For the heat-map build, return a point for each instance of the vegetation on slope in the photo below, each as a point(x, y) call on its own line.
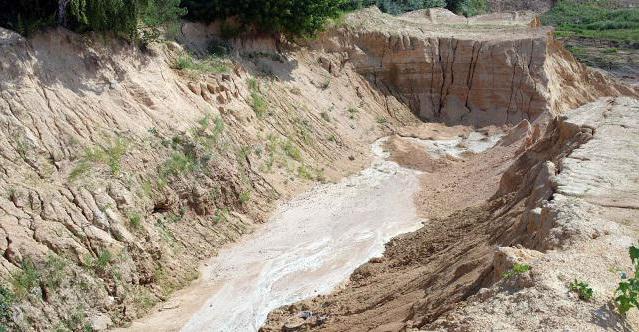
point(142, 19)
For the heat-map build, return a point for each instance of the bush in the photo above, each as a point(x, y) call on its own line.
point(296, 17)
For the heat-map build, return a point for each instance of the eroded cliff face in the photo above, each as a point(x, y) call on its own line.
point(120, 173)
point(489, 70)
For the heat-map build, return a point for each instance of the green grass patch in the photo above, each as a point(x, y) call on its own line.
point(211, 64)
point(596, 19)
point(26, 279)
point(258, 102)
point(110, 155)
point(292, 151)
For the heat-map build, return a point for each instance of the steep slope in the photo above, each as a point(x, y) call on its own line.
point(120, 173)
point(488, 70)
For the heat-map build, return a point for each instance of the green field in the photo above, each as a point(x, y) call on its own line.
point(597, 19)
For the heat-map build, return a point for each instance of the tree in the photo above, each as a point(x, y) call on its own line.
point(296, 17)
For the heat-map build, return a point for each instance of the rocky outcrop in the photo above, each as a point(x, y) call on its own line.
point(489, 70)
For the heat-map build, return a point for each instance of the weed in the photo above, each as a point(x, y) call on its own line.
point(6, 301)
point(77, 321)
point(153, 131)
point(101, 263)
point(581, 288)
point(211, 64)
point(110, 155)
point(135, 221)
point(304, 172)
point(22, 147)
point(381, 120)
point(258, 102)
point(245, 197)
point(178, 164)
point(352, 112)
point(627, 294)
point(221, 215)
point(292, 151)
point(516, 270)
point(25, 280)
point(79, 170)
point(53, 273)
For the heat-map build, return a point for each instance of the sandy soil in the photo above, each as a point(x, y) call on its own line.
point(453, 246)
point(311, 245)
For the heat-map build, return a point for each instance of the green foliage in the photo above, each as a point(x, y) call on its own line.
point(135, 19)
point(627, 294)
point(6, 301)
point(135, 220)
point(469, 7)
point(26, 279)
point(292, 151)
point(211, 64)
point(179, 164)
point(245, 197)
point(101, 263)
point(516, 270)
point(381, 120)
point(53, 273)
point(78, 321)
point(394, 7)
point(581, 288)
point(110, 155)
point(594, 19)
point(258, 102)
point(296, 17)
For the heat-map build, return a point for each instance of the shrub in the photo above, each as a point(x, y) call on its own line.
point(516, 270)
point(296, 17)
point(627, 294)
point(582, 289)
point(245, 197)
